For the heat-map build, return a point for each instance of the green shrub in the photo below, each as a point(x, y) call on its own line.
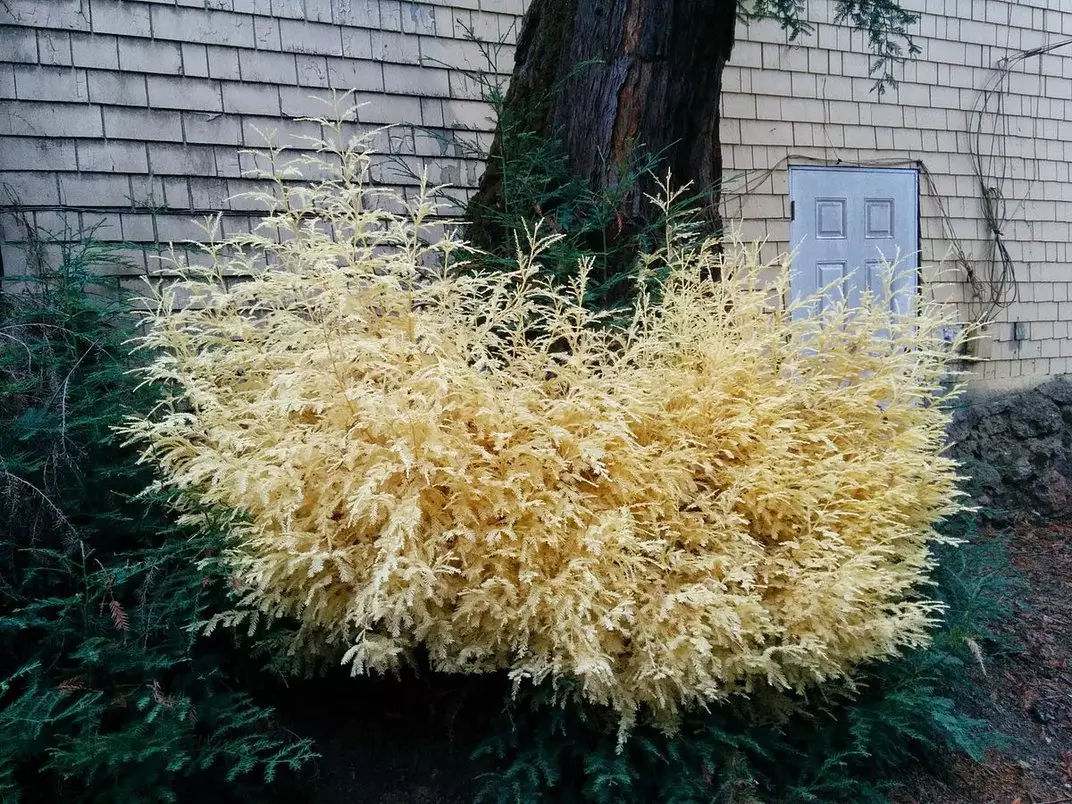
point(104, 693)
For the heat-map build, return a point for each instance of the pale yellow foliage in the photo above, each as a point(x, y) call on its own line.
point(719, 496)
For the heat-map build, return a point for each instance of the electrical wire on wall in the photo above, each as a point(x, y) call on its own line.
point(988, 131)
point(754, 179)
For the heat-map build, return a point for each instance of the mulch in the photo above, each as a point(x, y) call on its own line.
point(1026, 695)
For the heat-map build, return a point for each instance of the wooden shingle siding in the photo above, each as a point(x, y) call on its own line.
point(814, 104)
point(129, 116)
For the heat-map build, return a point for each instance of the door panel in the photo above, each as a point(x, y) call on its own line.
point(848, 223)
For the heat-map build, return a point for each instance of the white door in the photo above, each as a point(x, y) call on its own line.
point(853, 223)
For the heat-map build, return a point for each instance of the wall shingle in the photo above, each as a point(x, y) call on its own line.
point(143, 105)
point(926, 118)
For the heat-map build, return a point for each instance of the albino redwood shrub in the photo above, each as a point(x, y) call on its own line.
point(716, 496)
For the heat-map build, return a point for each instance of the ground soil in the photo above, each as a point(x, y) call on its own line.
point(1025, 694)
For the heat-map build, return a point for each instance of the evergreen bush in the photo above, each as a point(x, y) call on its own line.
point(840, 743)
point(105, 694)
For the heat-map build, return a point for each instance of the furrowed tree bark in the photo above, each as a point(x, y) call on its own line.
point(610, 79)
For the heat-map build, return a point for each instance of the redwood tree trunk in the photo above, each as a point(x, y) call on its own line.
point(609, 77)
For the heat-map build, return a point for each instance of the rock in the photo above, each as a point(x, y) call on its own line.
point(1059, 390)
point(1062, 463)
point(1059, 489)
point(1044, 450)
point(980, 476)
point(960, 431)
point(1021, 427)
point(996, 406)
point(992, 425)
point(1015, 451)
point(1023, 469)
point(961, 415)
point(1043, 414)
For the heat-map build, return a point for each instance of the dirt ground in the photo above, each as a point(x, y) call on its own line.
point(1026, 695)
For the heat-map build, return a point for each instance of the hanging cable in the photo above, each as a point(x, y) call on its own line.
point(998, 288)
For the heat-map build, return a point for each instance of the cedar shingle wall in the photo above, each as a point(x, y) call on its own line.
point(788, 105)
point(133, 113)
point(130, 115)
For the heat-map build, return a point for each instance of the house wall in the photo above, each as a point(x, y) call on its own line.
point(814, 104)
point(132, 113)
point(128, 117)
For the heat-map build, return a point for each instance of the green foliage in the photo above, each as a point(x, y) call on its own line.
point(841, 745)
point(886, 24)
point(104, 693)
